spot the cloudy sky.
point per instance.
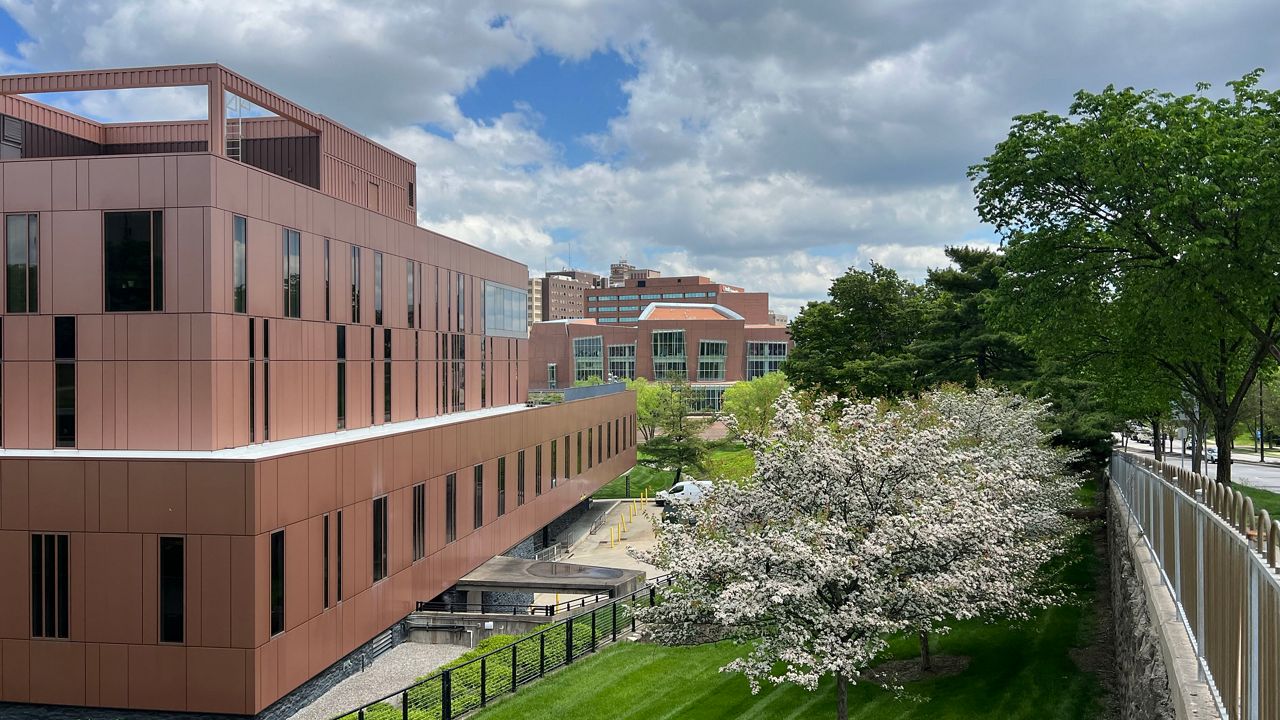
(767, 144)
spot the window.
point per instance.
(599, 443)
(327, 290)
(373, 377)
(239, 263)
(292, 243)
(602, 298)
(551, 376)
(253, 397)
(588, 358)
(608, 320)
(651, 296)
(342, 377)
(520, 478)
(672, 296)
(379, 538)
(628, 297)
(537, 469)
(479, 496)
(50, 591)
(502, 486)
(419, 521)
(451, 508)
(554, 466)
(338, 567)
(589, 446)
(628, 308)
(668, 354)
(462, 302)
(410, 287)
(277, 582)
(695, 295)
(708, 398)
(325, 572)
(566, 457)
(355, 284)
(484, 371)
(133, 260)
(64, 379)
(172, 582)
(608, 440)
(505, 310)
(386, 375)
(417, 342)
(607, 308)
(577, 465)
(458, 373)
(411, 196)
(622, 361)
(711, 359)
(22, 258)
(377, 288)
(266, 379)
(764, 357)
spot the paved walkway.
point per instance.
(393, 670)
(594, 549)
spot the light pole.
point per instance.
(1262, 436)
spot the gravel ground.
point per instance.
(393, 670)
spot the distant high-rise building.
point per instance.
(777, 318)
(562, 293)
(533, 304)
(622, 271)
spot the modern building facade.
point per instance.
(709, 345)
(624, 304)
(251, 413)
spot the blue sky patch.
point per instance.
(572, 98)
(11, 34)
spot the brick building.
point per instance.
(624, 304)
(251, 412)
(563, 292)
(708, 344)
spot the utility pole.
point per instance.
(1262, 435)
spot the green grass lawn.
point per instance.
(1016, 671)
(1262, 499)
(727, 459)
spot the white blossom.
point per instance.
(866, 519)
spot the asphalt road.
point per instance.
(1244, 469)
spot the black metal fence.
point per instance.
(513, 609)
(455, 691)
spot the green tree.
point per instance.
(678, 443)
(1140, 228)
(751, 403)
(855, 343)
(651, 398)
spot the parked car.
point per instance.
(683, 491)
(1211, 454)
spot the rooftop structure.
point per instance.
(624, 304)
(252, 413)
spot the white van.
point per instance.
(684, 491)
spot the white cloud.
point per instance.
(768, 144)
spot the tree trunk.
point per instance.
(1223, 439)
(926, 660)
(842, 697)
(1157, 446)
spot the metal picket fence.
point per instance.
(455, 691)
(1218, 561)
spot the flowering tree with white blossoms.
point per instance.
(864, 520)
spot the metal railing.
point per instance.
(514, 609)
(455, 691)
(1218, 560)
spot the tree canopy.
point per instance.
(750, 405)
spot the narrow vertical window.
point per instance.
(588, 450)
(578, 464)
(327, 295)
(567, 453)
(64, 369)
(337, 567)
(22, 262)
(50, 591)
(386, 375)
(419, 521)
(462, 302)
(484, 364)
(411, 290)
(502, 486)
(551, 376)
(417, 368)
(325, 571)
(478, 506)
(608, 441)
(554, 465)
(373, 377)
(355, 284)
(451, 508)
(537, 469)
(253, 397)
(133, 261)
(377, 288)
(277, 582)
(172, 584)
(266, 379)
(520, 478)
(239, 263)
(379, 538)
(342, 377)
(292, 246)
(599, 443)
